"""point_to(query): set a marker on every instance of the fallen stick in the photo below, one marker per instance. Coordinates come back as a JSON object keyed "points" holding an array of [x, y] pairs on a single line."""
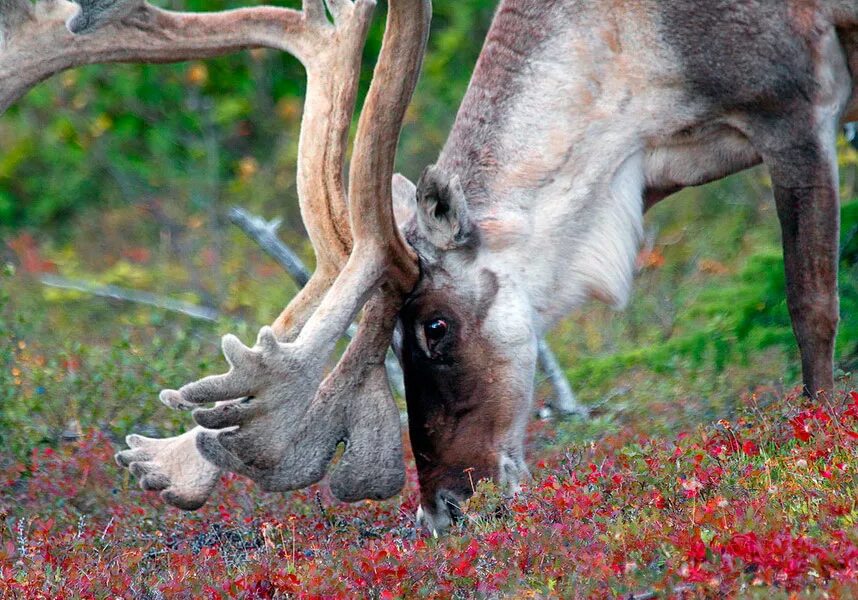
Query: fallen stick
{"points": [[264, 233], [119, 293]]}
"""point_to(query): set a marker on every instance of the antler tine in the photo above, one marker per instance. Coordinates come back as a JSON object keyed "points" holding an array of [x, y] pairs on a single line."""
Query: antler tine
{"points": [[333, 72], [381, 119], [314, 10]]}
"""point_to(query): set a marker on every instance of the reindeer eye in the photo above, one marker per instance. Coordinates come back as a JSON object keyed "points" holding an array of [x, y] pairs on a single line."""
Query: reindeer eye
{"points": [[435, 330]]}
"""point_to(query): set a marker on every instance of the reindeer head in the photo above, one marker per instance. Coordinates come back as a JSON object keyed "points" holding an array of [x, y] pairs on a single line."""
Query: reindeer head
{"points": [[468, 345], [468, 350]]}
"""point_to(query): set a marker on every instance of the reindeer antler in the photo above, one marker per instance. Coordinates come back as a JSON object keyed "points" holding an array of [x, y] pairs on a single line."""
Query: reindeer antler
{"points": [[284, 429], [36, 43], [278, 440]]}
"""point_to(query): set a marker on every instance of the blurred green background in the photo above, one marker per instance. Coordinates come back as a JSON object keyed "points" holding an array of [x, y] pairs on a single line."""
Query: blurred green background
{"points": [[123, 175]]}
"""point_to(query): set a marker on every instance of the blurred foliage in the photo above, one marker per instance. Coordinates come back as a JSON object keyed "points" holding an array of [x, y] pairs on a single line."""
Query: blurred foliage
{"points": [[52, 387], [122, 174], [737, 315]]}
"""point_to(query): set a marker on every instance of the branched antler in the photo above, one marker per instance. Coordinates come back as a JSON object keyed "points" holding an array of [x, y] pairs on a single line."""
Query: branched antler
{"points": [[290, 424], [277, 421]]}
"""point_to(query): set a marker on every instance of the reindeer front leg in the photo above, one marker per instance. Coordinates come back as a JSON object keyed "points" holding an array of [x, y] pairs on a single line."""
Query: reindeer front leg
{"points": [[802, 162], [798, 143], [808, 207]]}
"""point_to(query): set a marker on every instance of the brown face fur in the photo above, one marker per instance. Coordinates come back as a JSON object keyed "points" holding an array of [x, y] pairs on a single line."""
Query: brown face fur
{"points": [[460, 405]]}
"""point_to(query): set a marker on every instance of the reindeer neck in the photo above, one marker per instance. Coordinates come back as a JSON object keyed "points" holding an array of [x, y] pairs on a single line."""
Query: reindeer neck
{"points": [[474, 148], [545, 146]]}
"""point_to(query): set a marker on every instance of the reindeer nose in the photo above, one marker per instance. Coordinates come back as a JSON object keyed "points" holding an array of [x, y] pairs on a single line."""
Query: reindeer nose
{"points": [[447, 511]]}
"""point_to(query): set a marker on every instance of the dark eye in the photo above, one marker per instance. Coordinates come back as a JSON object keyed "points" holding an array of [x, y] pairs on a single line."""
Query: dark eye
{"points": [[436, 330]]}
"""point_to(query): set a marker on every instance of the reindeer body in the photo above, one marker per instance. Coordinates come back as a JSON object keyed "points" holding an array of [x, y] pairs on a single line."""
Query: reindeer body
{"points": [[580, 116]]}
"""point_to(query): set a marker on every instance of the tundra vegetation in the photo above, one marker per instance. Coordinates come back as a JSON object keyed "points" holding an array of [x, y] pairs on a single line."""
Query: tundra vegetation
{"points": [[701, 471]]}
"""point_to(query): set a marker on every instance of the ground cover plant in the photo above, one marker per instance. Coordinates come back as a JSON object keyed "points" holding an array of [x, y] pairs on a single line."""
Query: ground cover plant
{"points": [[651, 497], [764, 505], [700, 473]]}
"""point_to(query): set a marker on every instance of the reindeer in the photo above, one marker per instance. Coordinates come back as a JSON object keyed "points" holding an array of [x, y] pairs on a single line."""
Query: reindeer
{"points": [[579, 117]]}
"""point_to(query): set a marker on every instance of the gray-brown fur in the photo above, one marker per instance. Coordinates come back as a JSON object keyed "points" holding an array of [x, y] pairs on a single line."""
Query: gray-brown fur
{"points": [[13, 13], [443, 217], [518, 28], [741, 55]]}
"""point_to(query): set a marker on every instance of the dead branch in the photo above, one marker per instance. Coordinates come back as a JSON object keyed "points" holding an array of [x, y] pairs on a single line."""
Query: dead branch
{"points": [[119, 293], [264, 233]]}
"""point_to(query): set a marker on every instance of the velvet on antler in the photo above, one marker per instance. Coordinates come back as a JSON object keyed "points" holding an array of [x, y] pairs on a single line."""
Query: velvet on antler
{"points": [[37, 40]]}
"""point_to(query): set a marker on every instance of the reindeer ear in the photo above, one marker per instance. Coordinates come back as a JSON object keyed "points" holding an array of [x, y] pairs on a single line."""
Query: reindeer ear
{"points": [[442, 209], [404, 200]]}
